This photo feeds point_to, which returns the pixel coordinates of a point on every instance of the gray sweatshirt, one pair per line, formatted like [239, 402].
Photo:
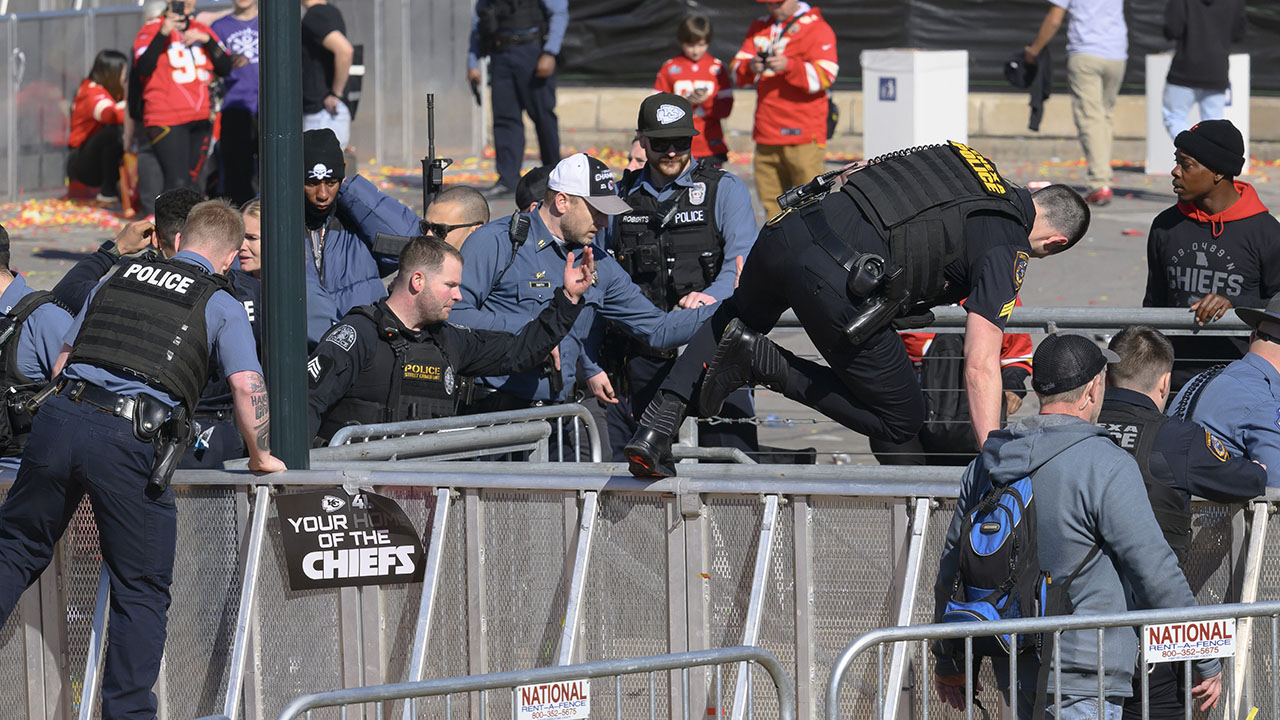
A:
[1087, 491]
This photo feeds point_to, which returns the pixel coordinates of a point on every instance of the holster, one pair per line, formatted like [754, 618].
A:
[171, 438]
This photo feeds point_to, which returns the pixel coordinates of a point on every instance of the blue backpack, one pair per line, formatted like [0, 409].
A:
[999, 574]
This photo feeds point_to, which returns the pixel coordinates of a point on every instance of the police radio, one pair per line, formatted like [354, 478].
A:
[815, 189]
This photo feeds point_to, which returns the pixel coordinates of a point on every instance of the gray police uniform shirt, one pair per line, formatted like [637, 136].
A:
[231, 342]
[1242, 408]
[42, 333]
[526, 287]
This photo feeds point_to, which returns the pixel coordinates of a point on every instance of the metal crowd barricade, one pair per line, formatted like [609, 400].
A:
[511, 680]
[1050, 319]
[1229, 704]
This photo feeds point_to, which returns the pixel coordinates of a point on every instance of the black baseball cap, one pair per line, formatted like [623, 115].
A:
[665, 115]
[589, 179]
[532, 186]
[1065, 361]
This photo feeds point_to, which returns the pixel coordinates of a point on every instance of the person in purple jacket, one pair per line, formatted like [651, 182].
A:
[238, 147]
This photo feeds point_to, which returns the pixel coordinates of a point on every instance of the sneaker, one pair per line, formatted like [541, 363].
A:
[1101, 196]
[107, 199]
[498, 192]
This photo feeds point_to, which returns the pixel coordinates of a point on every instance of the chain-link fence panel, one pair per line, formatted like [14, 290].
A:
[13, 655]
[298, 632]
[81, 565]
[206, 601]
[625, 607]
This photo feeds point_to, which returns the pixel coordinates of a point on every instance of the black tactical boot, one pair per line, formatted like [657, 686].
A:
[743, 356]
[649, 452]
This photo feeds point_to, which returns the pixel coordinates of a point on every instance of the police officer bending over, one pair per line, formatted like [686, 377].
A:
[1178, 459]
[401, 359]
[133, 364]
[904, 233]
[31, 330]
[687, 225]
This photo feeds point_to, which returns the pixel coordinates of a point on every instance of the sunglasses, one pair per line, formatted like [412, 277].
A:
[440, 230]
[665, 145]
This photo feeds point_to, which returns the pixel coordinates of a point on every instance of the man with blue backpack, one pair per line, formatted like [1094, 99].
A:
[1053, 497]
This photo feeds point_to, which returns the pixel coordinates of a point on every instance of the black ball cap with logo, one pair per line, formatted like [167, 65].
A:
[590, 179]
[664, 115]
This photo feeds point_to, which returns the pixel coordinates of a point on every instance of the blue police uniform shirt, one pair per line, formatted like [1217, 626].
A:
[557, 12]
[230, 341]
[535, 273]
[733, 216]
[1241, 407]
[42, 333]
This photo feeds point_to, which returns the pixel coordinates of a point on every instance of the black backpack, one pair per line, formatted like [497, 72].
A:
[946, 426]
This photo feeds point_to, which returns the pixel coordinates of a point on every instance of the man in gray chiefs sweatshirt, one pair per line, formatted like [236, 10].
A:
[1087, 492]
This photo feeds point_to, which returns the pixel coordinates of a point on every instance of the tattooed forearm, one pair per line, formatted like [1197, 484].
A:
[263, 436]
[253, 410]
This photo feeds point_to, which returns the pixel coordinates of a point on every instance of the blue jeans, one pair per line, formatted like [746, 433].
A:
[1086, 708]
[76, 449]
[1178, 101]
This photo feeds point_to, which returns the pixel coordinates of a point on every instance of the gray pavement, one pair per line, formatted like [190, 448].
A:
[1107, 268]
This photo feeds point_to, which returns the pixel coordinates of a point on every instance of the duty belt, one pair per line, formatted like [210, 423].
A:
[502, 41]
[101, 398]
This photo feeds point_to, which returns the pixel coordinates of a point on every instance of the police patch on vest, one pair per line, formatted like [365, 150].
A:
[344, 336]
[982, 168]
[448, 381]
[1020, 270]
[1216, 447]
[431, 373]
[697, 193]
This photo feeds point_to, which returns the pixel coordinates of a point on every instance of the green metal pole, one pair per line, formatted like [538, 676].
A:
[285, 287]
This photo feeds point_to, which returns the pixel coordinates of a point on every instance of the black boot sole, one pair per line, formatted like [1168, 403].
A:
[646, 461]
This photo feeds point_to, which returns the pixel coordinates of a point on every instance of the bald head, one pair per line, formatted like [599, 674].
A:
[455, 214]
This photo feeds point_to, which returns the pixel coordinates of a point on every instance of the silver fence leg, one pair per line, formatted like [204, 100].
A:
[577, 585]
[755, 605]
[1258, 528]
[577, 440]
[430, 583]
[915, 555]
[688, 435]
[93, 662]
[248, 592]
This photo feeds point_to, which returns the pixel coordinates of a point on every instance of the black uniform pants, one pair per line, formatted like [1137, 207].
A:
[96, 163]
[514, 89]
[644, 377]
[181, 151]
[238, 155]
[870, 389]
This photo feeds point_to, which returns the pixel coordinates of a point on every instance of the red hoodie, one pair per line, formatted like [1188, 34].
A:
[1247, 206]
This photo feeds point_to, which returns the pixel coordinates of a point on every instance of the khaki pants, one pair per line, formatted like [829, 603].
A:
[1094, 83]
[779, 168]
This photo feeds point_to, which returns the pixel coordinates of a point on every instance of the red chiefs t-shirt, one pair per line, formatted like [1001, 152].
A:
[683, 77]
[92, 108]
[178, 91]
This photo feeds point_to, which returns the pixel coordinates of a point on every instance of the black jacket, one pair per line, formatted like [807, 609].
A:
[1203, 31]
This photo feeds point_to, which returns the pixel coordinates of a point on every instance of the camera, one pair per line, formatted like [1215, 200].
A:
[178, 7]
[764, 54]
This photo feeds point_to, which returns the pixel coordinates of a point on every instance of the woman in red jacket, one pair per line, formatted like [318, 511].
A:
[97, 120]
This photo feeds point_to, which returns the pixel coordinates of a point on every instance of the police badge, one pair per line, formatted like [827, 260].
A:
[697, 193]
[448, 380]
[1020, 270]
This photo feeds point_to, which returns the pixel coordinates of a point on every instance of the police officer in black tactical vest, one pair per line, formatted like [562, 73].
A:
[402, 360]
[689, 225]
[1179, 459]
[902, 233]
[113, 425]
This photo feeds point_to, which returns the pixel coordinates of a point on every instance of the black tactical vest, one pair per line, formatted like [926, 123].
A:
[407, 381]
[918, 200]
[499, 17]
[1134, 429]
[147, 322]
[674, 247]
[216, 396]
[17, 388]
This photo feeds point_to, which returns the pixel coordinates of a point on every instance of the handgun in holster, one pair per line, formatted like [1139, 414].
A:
[883, 303]
[710, 268]
[169, 430]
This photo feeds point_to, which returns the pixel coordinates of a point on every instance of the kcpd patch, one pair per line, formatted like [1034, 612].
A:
[1216, 447]
[1020, 270]
[344, 336]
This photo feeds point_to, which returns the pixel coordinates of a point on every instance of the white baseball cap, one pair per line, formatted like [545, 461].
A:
[589, 179]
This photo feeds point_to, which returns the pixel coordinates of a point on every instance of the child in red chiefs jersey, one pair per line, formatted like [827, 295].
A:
[97, 121]
[704, 80]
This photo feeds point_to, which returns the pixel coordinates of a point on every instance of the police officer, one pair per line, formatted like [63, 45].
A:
[1178, 459]
[342, 218]
[687, 225]
[507, 280]
[401, 360]
[1240, 403]
[133, 362]
[522, 40]
[31, 330]
[905, 232]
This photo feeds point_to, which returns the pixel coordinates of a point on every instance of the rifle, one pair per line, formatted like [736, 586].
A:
[432, 181]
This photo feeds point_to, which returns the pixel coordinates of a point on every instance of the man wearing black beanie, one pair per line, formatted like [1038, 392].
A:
[1217, 249]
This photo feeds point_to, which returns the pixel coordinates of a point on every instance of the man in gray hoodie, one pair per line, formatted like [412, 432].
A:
[1087, 492]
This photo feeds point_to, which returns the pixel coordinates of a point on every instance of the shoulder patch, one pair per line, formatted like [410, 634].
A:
[344, 336]
[1216, 447]
[1020, 269]
[317, 368]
